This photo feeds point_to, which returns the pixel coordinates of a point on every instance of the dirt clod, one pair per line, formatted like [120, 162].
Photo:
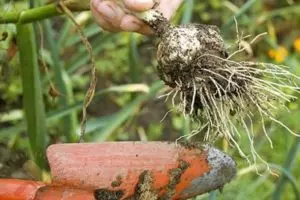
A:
[105, 194]
[117, 182]
[144, 189]
[182, 64]
[157, 22]
[174, 178]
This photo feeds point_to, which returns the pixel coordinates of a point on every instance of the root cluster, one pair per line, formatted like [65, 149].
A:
[218, 96]
[225, 94]
[218, 92]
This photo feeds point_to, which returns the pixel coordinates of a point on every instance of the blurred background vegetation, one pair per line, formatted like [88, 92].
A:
[126, 106]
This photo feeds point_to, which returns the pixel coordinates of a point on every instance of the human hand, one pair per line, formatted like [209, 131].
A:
[112, 17]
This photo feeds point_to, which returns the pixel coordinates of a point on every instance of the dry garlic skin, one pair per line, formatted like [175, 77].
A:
[181, 47]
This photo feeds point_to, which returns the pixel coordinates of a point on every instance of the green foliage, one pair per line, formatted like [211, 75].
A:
[32, 92]
[63, 82]
[125, 111]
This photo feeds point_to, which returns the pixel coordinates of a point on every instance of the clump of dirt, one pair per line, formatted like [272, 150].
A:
[156, 21]
[175, 175]
[105, 194]
[117, 182]
[144, 189]
[207, 84]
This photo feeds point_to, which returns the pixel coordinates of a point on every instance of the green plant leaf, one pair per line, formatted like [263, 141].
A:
[188, 11]
[82, 58]
[287, 167]
[134, 61]
[63, 84]
[62, 112]
[126, 112]
[247, 6]
[32, 92]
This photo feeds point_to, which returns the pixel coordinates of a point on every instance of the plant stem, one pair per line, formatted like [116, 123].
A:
[55, 9]
[213, 195]
[30, 15]
[32, 92]
[63, 82]
[241, 12]
[188, 12]
[292, 155]
[134, 59]
[43, 12]
[77, 5]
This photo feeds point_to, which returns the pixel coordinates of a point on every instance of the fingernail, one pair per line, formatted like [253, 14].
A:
[107, 10]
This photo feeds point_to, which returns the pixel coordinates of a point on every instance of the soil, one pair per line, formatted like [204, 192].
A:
[117, 182]
[180, 48]
[144, 190]
[175, 175]
[105, 194]
[157, 22]
[11, 163]
[180, 61]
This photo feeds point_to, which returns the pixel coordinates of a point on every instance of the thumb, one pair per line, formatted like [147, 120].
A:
[139, 5]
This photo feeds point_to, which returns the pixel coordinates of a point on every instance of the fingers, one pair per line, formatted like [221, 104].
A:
[139, 5]
[107, 14]
[102, 23]
[132, 24]
[168, 7]
[111, 17]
